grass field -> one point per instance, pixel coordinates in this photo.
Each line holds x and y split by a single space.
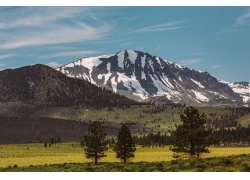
35 154
245 120
163 121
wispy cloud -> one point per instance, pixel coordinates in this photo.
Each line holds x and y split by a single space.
190 61
125 44
53 25
159 47
215 66
161 27
240 23
140 48
199 54
2 65
6 56
244 18
70 53
54 64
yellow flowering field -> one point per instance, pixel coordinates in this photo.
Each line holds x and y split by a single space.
36 154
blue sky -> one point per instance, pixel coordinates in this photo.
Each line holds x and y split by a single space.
213 39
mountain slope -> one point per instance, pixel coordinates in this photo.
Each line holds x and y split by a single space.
43 85
140 76
242 88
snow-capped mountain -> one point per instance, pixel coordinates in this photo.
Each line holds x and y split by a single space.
140 76
242 88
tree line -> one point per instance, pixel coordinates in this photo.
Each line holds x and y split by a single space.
225 137
227 120
232 136
190 138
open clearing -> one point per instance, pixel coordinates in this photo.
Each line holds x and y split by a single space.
35 154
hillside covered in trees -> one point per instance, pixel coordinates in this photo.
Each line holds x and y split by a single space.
42 85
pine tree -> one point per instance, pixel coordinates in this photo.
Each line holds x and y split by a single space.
191 137
45 144
82 143
124 147
95 141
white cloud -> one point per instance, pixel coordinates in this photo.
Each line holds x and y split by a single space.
6 56
125 44
159 47
70 53
240 23
51 25
244 18
161 27
190 61
215 66
40 16
2 65
140 48
57 35
54 64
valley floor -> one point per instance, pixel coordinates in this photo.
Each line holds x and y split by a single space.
71 157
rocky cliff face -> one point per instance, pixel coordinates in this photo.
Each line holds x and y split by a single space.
140 76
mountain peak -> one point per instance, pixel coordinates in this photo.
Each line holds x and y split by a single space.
139 75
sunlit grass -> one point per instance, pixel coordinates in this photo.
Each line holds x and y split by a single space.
245 120
36 154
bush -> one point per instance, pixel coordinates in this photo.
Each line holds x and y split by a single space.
201 166
245 166
172 162
227 161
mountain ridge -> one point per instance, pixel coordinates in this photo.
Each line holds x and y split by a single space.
42 85
139 75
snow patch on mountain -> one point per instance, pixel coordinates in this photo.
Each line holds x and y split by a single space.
218 94
143 61
199 96
199 71
151 63
198 83
179 66
180 78
193 98
162 89
146 76
120 59
222 81
132 56
242 88
131 84
114 84
165 78
158 60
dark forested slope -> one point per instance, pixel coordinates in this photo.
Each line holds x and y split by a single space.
42 85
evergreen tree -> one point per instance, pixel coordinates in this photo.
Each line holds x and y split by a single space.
191 137
124 147
95 141
45 144
82 143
